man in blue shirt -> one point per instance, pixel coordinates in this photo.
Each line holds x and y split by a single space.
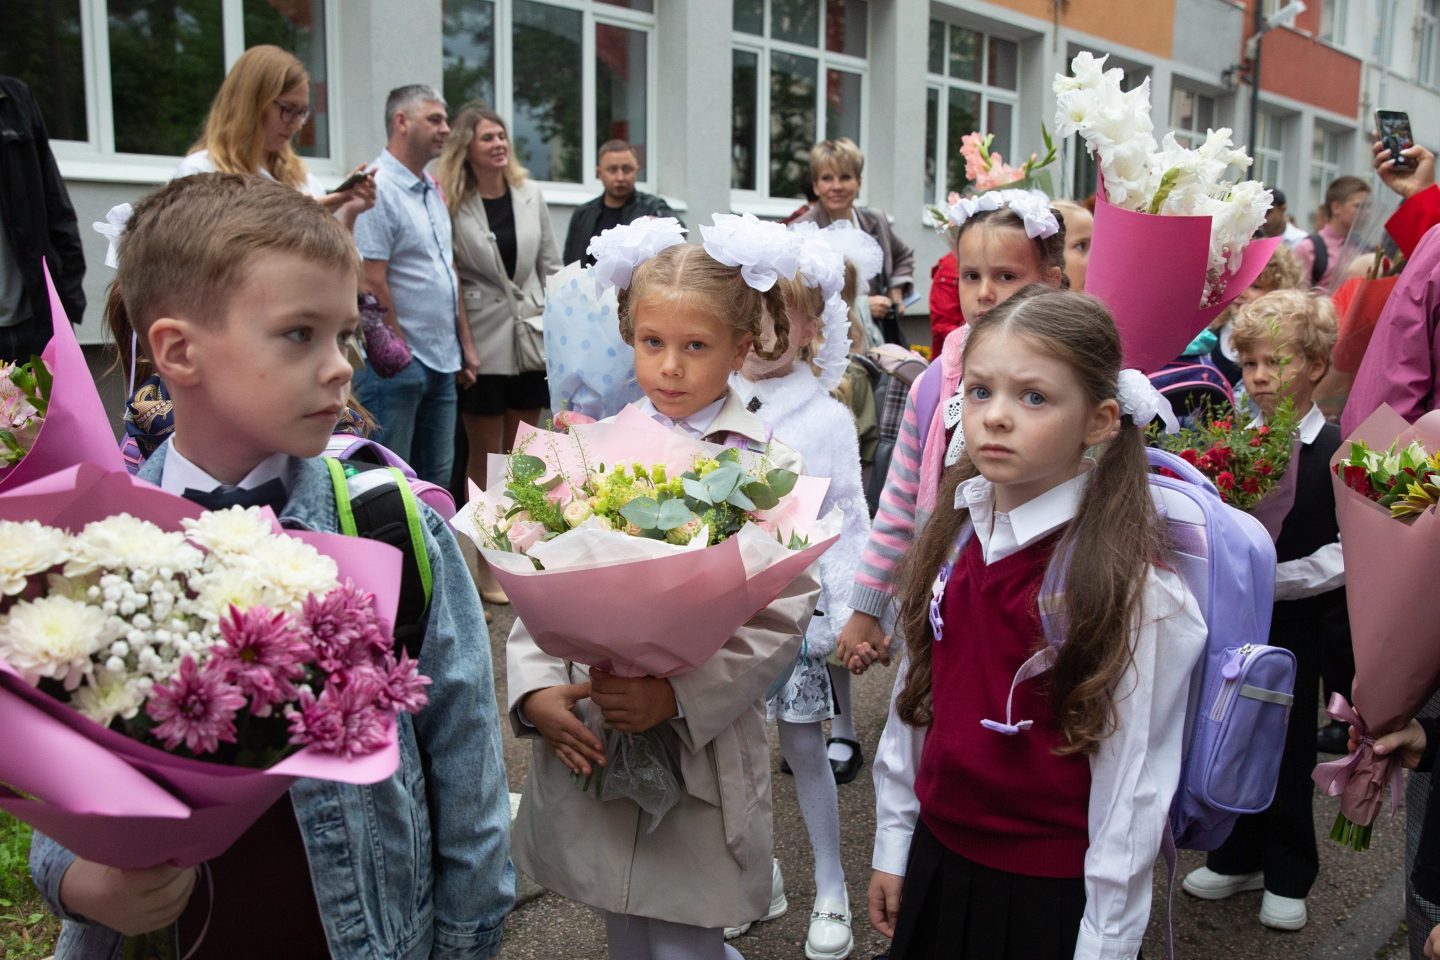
409 266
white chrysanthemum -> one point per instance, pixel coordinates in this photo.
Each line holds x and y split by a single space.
122 541
228 586
107 696
53 637
26 549
293 568
234 531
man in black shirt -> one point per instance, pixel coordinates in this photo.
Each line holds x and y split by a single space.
36 220
621 203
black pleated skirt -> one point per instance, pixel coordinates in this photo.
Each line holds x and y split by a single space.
952 908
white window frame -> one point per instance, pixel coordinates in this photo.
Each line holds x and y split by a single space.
759 200
594 12
944 83
1328 165
1188 136
1427 43
96 158
1268 158
1335 21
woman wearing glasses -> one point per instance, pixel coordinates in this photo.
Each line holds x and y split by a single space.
263 103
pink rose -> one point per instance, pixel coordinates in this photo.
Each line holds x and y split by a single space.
566 419
560 493
524 534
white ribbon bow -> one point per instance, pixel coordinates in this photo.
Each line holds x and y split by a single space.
112 229
763 251
619 250
1031 206
1142 403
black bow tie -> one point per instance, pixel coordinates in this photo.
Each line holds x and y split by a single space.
270 494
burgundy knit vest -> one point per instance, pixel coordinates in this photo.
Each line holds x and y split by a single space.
1007 802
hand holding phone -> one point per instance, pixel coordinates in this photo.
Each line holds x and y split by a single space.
352 181
1393 128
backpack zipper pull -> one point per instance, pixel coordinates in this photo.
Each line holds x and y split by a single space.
1231 670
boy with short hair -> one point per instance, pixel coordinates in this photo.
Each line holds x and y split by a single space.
1284 340
243 296
1325 253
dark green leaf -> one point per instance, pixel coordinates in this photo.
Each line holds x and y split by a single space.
781 481
525 467
762 495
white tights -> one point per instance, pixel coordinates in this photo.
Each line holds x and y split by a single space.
803 745
642 938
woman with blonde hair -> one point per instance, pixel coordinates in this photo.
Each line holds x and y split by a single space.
505 249
263 103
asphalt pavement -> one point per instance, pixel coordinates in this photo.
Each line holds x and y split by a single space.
1355 906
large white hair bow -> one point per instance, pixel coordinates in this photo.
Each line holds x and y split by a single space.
619 250
855 245
763 251
1142 403
821 265
112 228
1031 206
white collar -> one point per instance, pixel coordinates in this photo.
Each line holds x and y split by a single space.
1029 522
179 474
1307 429
698 424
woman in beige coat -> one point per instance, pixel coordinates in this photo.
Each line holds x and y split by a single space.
504 250
707 864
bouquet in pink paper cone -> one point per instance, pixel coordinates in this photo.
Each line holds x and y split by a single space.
638 528
1386 508
166 673
1172 238
51 416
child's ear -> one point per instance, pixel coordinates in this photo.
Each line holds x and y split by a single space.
743 343
172 351
1104 423
1053 275
1315 369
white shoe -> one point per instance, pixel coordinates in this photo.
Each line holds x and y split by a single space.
778 903
1209 885
1282 913
829 937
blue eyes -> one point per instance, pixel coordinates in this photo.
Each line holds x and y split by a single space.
979 393
303 335
1031 398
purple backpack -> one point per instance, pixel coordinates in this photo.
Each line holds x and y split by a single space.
345 446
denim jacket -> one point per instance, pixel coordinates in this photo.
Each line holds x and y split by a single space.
418 865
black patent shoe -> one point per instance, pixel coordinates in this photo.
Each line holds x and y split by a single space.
847 770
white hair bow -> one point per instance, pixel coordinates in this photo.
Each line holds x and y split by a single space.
1031 206
763 251
1142 403
619 250
112 228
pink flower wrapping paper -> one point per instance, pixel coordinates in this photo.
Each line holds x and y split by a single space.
637 607
115 800
1389 583
76 428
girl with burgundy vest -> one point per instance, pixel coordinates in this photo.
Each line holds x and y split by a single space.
1020 808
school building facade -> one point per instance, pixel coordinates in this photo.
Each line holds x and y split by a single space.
723 98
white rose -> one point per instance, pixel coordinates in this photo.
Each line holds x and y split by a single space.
577 512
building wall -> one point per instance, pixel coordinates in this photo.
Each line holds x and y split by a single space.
1147 26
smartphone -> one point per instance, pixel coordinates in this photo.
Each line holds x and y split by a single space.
1394 129
355 178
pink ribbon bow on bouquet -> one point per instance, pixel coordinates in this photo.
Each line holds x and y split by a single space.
1358 779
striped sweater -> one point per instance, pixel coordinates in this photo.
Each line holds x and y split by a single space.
893 528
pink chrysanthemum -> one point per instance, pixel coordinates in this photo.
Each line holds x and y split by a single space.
343 720
402 689
196 707
262 655
344 629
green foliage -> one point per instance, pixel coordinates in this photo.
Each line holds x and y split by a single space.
27 931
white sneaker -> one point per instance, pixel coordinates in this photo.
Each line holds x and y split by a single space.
1209 885
1282 913
829 937
778 903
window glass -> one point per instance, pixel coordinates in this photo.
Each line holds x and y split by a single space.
842 104
937 47
963 116
167 60
743 132
469 52
620 87
748 16
964 54
797 21
1003 64
298 26
845 26
1000 121
932 131
792 121
648 6
40 44
548 90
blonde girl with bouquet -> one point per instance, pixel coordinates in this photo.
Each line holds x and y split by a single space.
791 393
667 890
1020 807
1004 241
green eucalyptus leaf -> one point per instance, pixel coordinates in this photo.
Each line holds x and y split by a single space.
738 499
781 482
644 512
761 494
672 514
696 489
525 467
722 482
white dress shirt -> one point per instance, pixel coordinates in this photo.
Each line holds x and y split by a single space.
179 474
696 425
1135 771
1323 570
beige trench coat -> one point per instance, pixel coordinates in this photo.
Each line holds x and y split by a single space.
708 862
493 301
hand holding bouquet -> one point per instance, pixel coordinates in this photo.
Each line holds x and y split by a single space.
1390 534
1247 463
